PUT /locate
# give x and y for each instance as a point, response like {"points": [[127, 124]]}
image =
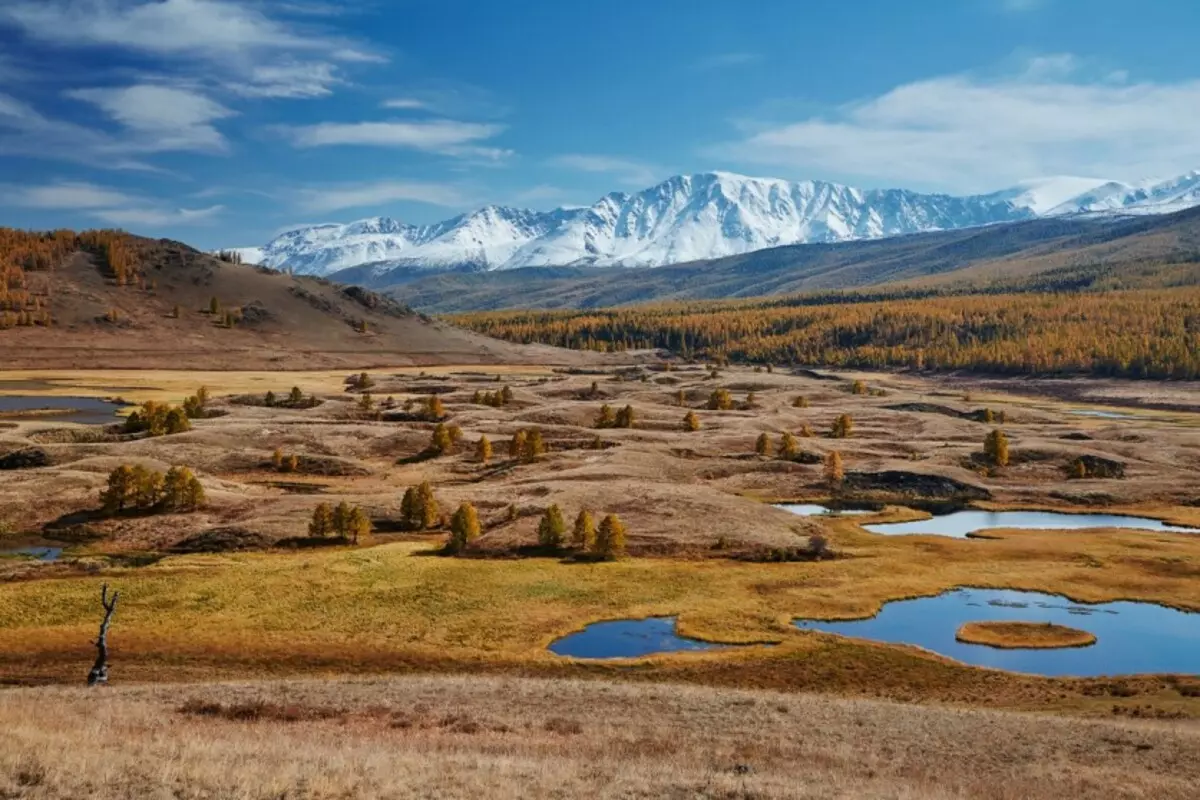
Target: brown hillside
{"points": [[157, 313]]}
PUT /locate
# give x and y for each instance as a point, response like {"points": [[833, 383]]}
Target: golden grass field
{"points": [[503, 737], [388, 670]]}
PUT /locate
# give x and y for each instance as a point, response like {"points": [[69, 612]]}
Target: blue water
{"points": [[960, 523], [814, 510], [627, 638], [40, 553], [1131, 637], [1100, 414], [82, 410]]}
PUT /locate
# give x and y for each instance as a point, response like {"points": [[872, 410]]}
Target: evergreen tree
{"points": [[148, 486], [408, 507], [214, 306], [835, 473], [552, 529], [691, 422], [269, 399], [428, 506], [762, 445], [176, 421], [516, 447], [182, 490], [483, 450], [121, 490], [788, 447], [341, 519], [441, 442], [584, 535], [800, 402], [843, 426], [506, 396], [625, 417], [610, 539], [321, 524], [434, 408], [295, 396], [464, 528], [534, 446]]}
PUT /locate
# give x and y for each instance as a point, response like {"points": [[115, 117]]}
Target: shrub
{"points": [[789, 448], [516, 445], [835, 472], [800, 402], [843, 426], [441, 442], [552, 529], [858, 387], [995, 448], [625, 417], [720, 400], [605, 418], [762, 445], [691, 422]]}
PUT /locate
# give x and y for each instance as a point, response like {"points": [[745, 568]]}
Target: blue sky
{"points": [[221, 122]]}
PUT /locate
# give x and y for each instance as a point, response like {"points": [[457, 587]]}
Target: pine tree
{"points": [[517, 445], [552, 529], [464, 528], [995, 447], [441, 442], [843, 426], [691, 422], [148, 486], [859, 387], [610, 539], [121, 491], [506, 396], [434, 408], [428, 506], [534, 446], [625, 417], [295, 396], [835, 473], [720, 400], [483, 450], [762, 445], [788, 447], [584, 535], [182, 490], [322, 521], [277, 458], [800, 402], [681, 398]]}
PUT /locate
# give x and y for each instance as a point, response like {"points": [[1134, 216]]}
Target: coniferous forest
{"points": [[1153, 334]]}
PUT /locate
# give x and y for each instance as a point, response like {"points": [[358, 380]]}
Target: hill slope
{"points": [[1067, 252], [156, 312]]}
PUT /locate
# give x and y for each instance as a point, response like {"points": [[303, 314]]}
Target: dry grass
{"points": [[509, 738], [1023, 635]]}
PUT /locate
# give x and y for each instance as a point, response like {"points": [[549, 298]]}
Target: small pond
{"points": [[960, 523], [38, 553], [82, 410], [1088, 412], [1131, 637], [814, 510], [628, 638]]}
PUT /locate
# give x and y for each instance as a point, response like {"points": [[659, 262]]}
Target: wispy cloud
{"points": [[26, 132], [725, 60], [111, 206], [335, 197], [964, 133], [404, 104], [628, 171], [231, 38], [163, 118], [447, 137]]}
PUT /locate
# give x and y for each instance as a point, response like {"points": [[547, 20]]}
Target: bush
{"points": [[843, 426], [720, 400], [995, 448], [691, 422]]}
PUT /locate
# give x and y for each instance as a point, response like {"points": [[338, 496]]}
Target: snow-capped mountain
{"points": [[695, 217]]}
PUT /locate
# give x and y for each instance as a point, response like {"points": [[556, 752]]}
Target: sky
{"points": [[224, 122]]}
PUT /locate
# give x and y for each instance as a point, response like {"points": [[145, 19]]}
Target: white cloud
{"points": [[240, 46], [25, 132], [157, 217], [337, 197], [404, 103], [962, 133], [436, 136], [163, 117], [67, 195], [111, 206], [628, 171]]}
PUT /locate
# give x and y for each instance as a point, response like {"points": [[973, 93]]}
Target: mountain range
{"points": [[689, 218]]}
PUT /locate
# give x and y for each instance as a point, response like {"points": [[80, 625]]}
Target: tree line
{"points": [[1145, 333]]}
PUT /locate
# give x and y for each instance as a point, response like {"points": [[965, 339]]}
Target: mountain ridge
{"points": [[692, 218]]}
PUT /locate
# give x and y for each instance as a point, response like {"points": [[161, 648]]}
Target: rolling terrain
{"points": [[172, 306], [1057, 253]]}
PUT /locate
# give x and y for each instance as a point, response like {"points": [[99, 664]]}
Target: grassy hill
{"points": [[112, 300]]}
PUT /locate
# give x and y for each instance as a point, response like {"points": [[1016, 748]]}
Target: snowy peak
{"points": [[695, 217]]}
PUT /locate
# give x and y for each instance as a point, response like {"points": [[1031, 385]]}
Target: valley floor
{"points": [[478, 737]]}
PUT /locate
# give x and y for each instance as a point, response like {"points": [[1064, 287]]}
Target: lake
{"points": [[814, 510], [960, 523], [1131, 637], [82, 410]]}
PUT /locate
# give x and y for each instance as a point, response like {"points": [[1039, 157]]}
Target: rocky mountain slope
{"points": [[689, 218]]}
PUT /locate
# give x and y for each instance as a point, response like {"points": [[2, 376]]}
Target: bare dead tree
{"points": [[99, 673]]}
